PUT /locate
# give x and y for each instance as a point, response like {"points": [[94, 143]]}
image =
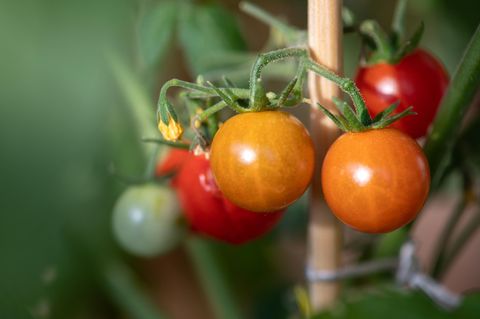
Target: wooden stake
{"points": [[325, 232]]}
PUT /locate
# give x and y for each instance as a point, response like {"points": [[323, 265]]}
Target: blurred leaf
{"points": [[394, 303], [207, 30], [156, 31], [454, 106], [390, 243], [141, 106], [469, 143]]}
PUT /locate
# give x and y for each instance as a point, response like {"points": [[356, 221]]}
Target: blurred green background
{"points": [[64, 120]]}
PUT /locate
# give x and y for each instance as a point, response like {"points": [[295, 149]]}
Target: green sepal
{"points": [[332, 117], [163, 111], [286, 92], [389, 110], [347, 111], [410, 44], [228, 83], [226, 95], [389, 120]]}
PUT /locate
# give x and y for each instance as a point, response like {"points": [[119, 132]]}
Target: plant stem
{"points": [[213, 279], [398, 22], [212, 110], [444, 237], [346, 85], [123, 288], [165, 142], [257, 98], [459, 243], [454, 105], [371, 29]]}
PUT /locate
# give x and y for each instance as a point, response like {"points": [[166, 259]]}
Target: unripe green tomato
{"points": [[146, 220]]}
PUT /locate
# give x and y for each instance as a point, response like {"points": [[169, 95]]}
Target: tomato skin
{"points": [[172, 162], [263, 161], [210, 213], [418, 80], [146, 220], [375, 181]]}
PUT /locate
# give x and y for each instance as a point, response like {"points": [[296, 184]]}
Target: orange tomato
{"points": [[375, 181], [262, 161]]}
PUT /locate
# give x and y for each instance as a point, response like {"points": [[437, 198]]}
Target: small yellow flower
{"points": [[171, 132]]}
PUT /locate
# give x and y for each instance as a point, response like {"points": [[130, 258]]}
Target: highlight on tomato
{"points": [[262, 161], [395, 70], [147, 221], [207, 210]]}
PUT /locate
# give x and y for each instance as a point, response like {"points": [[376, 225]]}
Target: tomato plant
{"points": [[417, 80], [208, 212], [375, 181], [262, 161], [146, 220]]}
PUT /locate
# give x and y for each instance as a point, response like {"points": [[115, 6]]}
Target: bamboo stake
{"points": [[325, 233]]}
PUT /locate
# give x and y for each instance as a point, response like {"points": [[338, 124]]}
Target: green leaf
{"points": [[206, 33], [398, 304], [156, 30], [454, 106], [410, 44]]}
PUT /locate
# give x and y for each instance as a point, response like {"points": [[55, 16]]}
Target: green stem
{"points": [[346, 85], [457, 246], [454, 105], [398, 23], [371, 29], [446, 235], [211, 110], [213, 279], [122, 287], [258, 99], [165, 142]]}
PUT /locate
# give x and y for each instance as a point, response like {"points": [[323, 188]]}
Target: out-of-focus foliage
{"points": [[396, 304], [64, 119]]}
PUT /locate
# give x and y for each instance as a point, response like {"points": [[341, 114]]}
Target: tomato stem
{"points": [[384, 50], [165, 142], [453, 108], [398, 22], [258, 98]]}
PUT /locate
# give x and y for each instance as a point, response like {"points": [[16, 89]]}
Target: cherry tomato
{"points": [[210, 213], [262, 161], [147, 220], [418, 80], [375, 181], [172, 162]]}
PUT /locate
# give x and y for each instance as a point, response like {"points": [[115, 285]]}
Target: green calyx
{"points": [[390, 48], [349, 119]]}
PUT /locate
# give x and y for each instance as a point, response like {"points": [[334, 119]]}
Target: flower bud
{"points": [[171, 132]]}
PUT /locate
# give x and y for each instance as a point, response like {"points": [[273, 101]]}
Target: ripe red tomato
{"points": [[375, 181], [418, 80], [172, 161], [210, 213], [263, 161]]}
